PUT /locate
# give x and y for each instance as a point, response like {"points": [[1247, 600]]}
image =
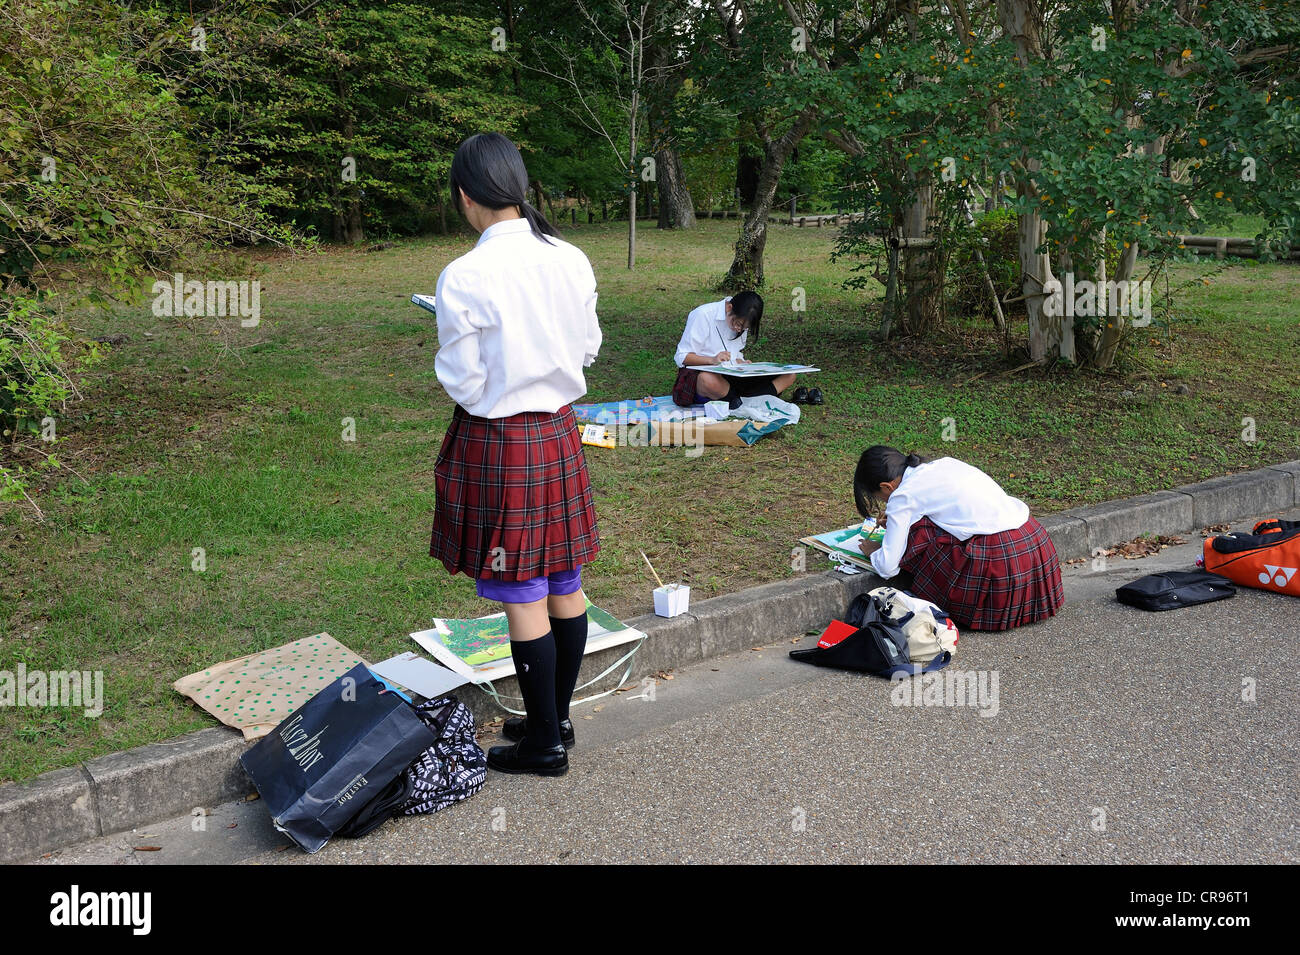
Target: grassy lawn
{"points": [[232, 443]]}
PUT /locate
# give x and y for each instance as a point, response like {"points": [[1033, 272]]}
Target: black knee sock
{"points": [[765, 386], [535, 669], [732, 398], [570, 644]]}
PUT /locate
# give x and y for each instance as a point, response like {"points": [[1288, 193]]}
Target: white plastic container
{"points": [[672, 599]]}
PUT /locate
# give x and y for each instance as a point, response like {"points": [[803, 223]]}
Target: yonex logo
{"points": [[1280, 576]]}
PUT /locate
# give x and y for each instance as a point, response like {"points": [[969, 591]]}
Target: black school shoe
{"points": [[543, 762], [815, 397], [800, 395], [516, 728]]}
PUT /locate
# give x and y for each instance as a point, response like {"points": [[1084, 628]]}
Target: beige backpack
{"points": [[928, 629]]}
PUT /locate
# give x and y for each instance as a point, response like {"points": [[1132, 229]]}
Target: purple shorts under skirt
{"points": [[526, 591]]}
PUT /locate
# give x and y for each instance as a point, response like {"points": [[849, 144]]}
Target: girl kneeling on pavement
{"points": [[516, 327], [970, 547]]}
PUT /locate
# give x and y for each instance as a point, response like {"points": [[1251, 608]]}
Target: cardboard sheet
{"points": [[733, 432], [255, 693]]}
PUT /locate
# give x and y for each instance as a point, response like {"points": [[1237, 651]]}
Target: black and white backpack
{"points": [[453, 768], [450, 770]]}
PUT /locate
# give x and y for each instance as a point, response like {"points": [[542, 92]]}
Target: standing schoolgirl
{"points": [[516, 327], [970, 547], [716, 332]]}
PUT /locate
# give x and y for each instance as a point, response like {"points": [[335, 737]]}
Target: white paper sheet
{"points": [[419, 675]]}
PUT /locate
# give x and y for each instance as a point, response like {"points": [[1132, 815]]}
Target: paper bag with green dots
{"points": [[255, 693]]}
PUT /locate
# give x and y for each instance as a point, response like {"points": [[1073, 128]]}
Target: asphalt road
{"points": [[1116, 736]]}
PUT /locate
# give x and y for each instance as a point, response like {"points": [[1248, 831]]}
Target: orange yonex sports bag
{"points": [[1269, 558]]}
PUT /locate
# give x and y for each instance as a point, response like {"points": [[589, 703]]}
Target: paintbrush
{"points": [[652, 568]]}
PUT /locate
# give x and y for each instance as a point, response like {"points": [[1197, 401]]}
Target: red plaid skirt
{"points": [[513, 498], [989, 582]]}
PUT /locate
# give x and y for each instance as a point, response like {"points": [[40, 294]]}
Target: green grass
{"points": [[303, 532]]}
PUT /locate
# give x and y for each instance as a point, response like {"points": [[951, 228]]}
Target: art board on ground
{"points": [[756, 369], [841, 545], [479, 649]]}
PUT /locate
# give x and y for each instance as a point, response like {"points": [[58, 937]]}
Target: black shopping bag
{"points": [[333, 755]]}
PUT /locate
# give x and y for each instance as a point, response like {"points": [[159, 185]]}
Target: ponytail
{"points": [[489, 169], [541, 228]]}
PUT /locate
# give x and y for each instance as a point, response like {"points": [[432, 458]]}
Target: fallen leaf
{"points": [[147, 848], [232, 825]]}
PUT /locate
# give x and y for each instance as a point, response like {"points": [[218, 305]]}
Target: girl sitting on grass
{"points": [[970, 547]]}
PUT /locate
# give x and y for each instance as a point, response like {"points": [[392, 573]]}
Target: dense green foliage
{"points": [[146, 137], [99, 182]]}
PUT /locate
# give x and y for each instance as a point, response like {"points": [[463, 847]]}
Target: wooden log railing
{"points": [[1220, 246]]}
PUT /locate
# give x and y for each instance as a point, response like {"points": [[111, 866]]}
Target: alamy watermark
{"points": [[976, 689], [73, 688], [175, 297], [632, 426], [1088, 299]]}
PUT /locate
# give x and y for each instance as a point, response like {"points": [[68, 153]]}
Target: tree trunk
{"points": [[1112, 326], [749, 170], [347, 220], [631, 229], [1111, 332], [746, 270], [890, 306], [676, 208], [1049, 336], [999, 319], [922, 268], [632, 176]]}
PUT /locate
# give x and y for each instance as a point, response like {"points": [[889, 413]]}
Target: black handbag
{"points": [[1174, 589]]}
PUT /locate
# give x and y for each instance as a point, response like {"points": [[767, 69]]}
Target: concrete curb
{"points": [[1077, 532], [123, 790]]}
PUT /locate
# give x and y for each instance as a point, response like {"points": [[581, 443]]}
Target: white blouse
{"points": [[516, 323], [708, 333], [958, 497]]}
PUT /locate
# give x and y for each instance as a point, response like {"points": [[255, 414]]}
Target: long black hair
{"points": [[491, 171], [878, 465], [749, 306]]}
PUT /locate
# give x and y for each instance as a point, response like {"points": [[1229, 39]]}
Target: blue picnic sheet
{"points": [[635, 411]]}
